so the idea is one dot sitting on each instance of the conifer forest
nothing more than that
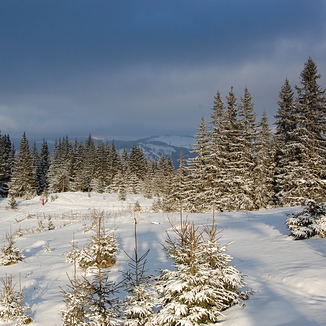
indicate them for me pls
(239, 163)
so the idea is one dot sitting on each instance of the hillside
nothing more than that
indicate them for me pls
(288, 276)
(154, 147)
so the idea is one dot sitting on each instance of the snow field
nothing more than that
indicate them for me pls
(288, 277)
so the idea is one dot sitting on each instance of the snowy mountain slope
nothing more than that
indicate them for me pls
(154, 147)
(288, 276)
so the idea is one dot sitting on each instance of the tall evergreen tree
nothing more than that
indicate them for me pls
(78, 180)
(236, 173)
(42, 168)
(6, 161)
(113, 165)
(137, 167)
(88, 169)
(263, 172)
(217, 149)
(198, 191)
(23, 182)
(60, 172)
(98, 182)
(249, 125)
(175, 199)
(300, 174)
(285, 163)
(286, 114)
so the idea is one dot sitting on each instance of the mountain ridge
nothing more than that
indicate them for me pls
(153, 146)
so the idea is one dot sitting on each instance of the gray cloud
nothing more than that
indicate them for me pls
(128, 69)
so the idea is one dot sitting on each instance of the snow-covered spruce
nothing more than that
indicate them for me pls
(100, 251)
(203, 283)
(91, 301)
(309, 222)
(138, 303)
(75, 299)
(12, 306)
(9, 254)
(138, 306)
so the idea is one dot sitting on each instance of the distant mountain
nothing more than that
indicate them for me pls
(154, 147)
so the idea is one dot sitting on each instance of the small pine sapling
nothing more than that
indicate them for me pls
(202, 285)
(90, 302)
(12, 203)
(157, 205)
(12, 306)
(122, 192)
(72, 255)
(138, 305)
(102, 305)
(137, 207)
(9, 254)
(51, 226)
(76, 300)
(101, 250)
(40, 227)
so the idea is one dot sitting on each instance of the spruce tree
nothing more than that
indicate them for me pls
(235, 175)
(9, 254)
(301, 143)
(98, 183)
(138, 304)
(263, 172)
(12, 305)
(176, 197)
(203, 283)
(198, 190)
(78, 180)
(42, 168)
(23, 182)
(311, 131)
(88, 168)
(6, 161)
(61, 170)
(113, 166)
(217, 159)
(285, 163)
(100, 250)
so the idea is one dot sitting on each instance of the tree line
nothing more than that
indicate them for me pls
(238, 163)
(79, 166)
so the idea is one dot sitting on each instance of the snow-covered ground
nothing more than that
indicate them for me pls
(288, 276)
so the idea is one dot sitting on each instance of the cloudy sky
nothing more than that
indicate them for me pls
(126, 69)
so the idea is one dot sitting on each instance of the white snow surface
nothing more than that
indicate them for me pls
(288, 276)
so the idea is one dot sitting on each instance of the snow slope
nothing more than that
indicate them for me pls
(288, 276)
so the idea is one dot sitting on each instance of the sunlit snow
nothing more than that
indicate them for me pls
(288, 276)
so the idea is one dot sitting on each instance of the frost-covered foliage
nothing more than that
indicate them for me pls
(309, 222)
(203, 283)
(138, 306)
(9, 254)
(75, 300)
(12, 203)
(100, 251)
(12, 307)
(139, 303)
(91, 302)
